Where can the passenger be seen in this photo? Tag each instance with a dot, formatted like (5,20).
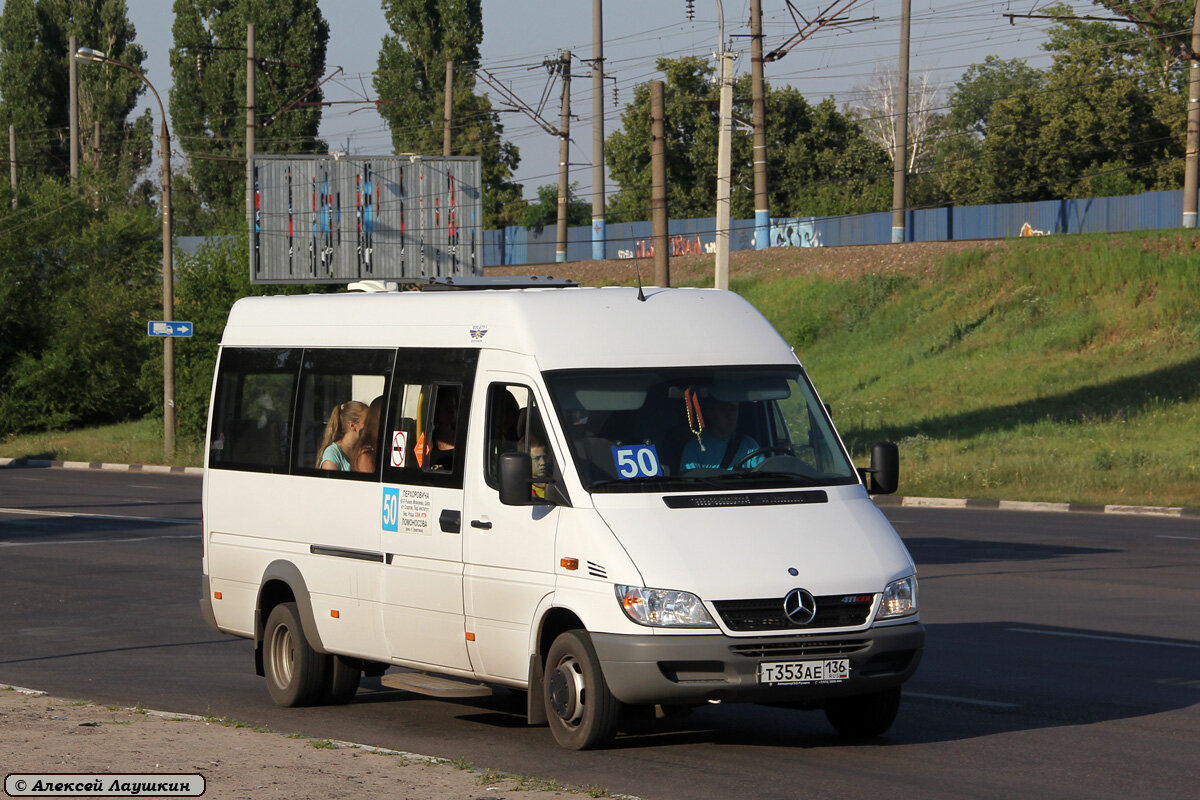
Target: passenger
(341,434)
(542,462)
(715,445)
(445,423)
(364,458)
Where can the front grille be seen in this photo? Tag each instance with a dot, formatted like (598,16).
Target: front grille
(833,611)
(801,648)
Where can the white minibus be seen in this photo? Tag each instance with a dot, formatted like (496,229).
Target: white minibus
(609,498)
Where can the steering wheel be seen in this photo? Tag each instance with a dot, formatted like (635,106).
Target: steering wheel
(762,451)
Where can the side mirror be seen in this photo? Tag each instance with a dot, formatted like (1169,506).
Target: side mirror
(884,476)
(515,469)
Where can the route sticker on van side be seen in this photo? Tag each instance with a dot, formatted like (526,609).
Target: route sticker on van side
(399,448)
(391,509)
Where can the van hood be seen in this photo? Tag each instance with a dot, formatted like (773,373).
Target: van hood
(843,545)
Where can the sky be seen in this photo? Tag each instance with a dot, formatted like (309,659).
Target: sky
(947,37)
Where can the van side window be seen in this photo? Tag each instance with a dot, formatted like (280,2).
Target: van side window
(252,409)
(514,424)
(334,417)
(426,430)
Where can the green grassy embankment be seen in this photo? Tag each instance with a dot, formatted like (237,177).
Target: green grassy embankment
(1058,369)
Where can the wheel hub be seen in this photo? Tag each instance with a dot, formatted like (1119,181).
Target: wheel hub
(563,692)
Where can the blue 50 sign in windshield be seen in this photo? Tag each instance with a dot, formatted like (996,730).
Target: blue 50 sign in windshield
(636,461)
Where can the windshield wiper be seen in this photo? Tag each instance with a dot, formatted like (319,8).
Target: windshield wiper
(775,476)
(668,482)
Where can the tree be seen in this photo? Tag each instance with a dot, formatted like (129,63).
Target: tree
(1101,123)
(29,98)
(877,112)
(411,81)
(545,211)
(958,150)
(819,160)
(690,106)
(208,69)
(65,262)
(34,86)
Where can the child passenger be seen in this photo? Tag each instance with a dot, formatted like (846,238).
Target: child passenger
(341,434)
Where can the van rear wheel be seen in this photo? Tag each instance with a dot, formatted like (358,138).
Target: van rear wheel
(866,715)
(580,709)
(296,673)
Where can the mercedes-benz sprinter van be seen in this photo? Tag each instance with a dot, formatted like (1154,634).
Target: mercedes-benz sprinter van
(605,497)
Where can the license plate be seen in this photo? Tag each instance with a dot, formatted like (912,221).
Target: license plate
(833,670)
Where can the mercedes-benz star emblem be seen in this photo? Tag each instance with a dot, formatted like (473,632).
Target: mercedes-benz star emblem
(799,606)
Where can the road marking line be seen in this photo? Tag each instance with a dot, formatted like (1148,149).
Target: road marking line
(37,512)
(1098,637)
(1183,538)
(968,700)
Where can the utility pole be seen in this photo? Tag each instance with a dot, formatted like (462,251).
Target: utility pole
(251,125)
(762,204)
(564,157)
(599,236)
(721,279)
(901,153)
(12,162)
(448,109)
(1191,174)
(658,187)
(73,104)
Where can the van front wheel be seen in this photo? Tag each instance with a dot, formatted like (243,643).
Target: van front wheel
(296,674)
(582,712)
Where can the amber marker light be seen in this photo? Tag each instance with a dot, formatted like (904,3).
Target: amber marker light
(569,563)
(216,595)
(470,636)
(333,612)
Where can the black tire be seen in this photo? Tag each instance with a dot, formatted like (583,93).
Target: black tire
(344,675)
(582,712)
(296,674)
(866,715)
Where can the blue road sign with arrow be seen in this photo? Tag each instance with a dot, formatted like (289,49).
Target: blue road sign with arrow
(161,328)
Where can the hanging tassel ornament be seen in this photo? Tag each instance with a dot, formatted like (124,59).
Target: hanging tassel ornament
(695,418)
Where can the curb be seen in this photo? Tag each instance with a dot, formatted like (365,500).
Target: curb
(884,501)
(1179,512)
(154,469)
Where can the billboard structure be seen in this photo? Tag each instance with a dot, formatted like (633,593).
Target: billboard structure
(338,219)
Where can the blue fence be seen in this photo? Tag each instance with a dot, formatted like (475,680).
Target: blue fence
(1149,211)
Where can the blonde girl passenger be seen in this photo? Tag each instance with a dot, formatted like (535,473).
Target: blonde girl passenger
(341,435)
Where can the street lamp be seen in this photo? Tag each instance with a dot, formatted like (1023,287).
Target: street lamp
(98,56)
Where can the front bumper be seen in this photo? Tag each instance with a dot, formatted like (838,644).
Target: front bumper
(668,670)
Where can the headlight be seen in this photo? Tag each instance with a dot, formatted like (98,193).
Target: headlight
(663,608)
(899,599)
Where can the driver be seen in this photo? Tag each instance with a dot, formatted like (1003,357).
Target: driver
(716,446)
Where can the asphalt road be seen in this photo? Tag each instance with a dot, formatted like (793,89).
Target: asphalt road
(1063,658)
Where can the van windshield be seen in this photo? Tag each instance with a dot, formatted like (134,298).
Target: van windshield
(697,429)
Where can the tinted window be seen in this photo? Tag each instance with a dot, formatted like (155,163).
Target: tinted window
(340,385)
(426,430)
(252,409)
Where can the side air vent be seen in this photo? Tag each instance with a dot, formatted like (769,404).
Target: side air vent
(744,499)
(596,571)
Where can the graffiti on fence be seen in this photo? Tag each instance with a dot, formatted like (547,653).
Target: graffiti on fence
(794,232)
(680,246)
(1029,230)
